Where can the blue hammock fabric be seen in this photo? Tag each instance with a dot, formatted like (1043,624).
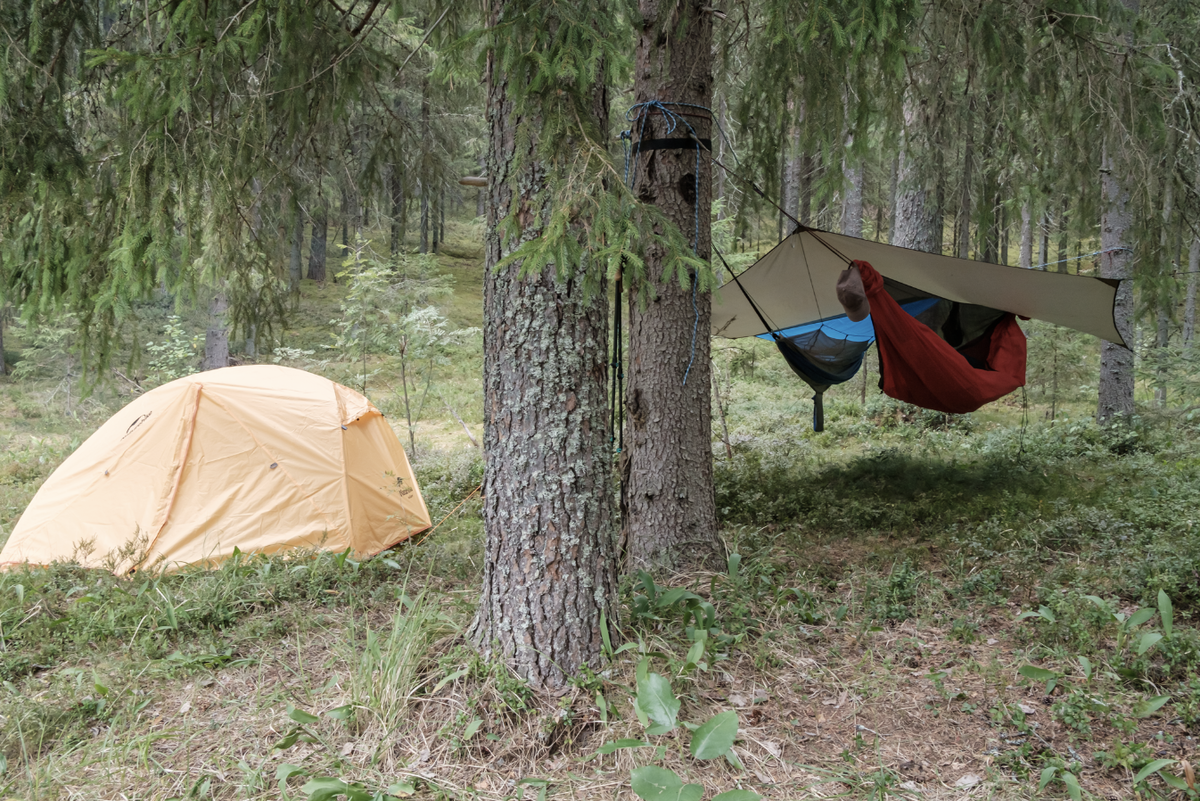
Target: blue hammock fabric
(831,351)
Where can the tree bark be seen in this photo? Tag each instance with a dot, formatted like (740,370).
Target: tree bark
(396,196)
(1116,361)
(1189,305)
(295,273)
(426,166)
(962,234)
(916,216)
(852,186)
(549,570)
(1115,397)
(1063,226)
(216,338)
(1027,235)
(316,251)
(1044,227)
(1165,299)
(668,499)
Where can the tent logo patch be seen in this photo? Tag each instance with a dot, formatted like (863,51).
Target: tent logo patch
(136,424)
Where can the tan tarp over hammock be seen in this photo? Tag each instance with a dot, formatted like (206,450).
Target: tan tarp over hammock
(796,283)
(259,458)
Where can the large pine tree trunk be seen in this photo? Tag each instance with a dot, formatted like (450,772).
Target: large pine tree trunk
(549,569)
(670,510)
(1116,361)
(316,251)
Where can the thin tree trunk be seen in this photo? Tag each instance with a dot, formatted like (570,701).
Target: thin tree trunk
(295,267)
(723,120)
(316,251)
(3,320)
(852,183)
(1027,234)
(1165,301)
(216,338)
(1189,306)
(1044,226)
(549,578)
(893,193)
(962,234)
(426,166)
(916,219)
(670,509)
(807,167)
(1116,361)
(396,192)
(791,186)
(1063,223)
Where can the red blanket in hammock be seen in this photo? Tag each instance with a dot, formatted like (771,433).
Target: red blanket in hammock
(921,368)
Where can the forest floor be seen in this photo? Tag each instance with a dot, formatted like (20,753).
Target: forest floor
(914,606)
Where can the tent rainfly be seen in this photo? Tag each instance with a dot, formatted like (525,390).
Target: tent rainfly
(945,326)
(257,458)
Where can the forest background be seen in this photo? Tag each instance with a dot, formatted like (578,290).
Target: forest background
(284,178)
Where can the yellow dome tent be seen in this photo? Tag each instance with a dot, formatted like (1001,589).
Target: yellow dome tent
(259,458)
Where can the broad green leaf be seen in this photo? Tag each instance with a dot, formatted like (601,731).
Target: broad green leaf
(300,716)
(1166,612)
(472,727)
(602,705)
(1139,617)
(1072,783)
(696,652)
(1098,601)
(345,712)
(1178,782)
(617,745)
(716,736)
(658,702)
(19,589)
(652,783)
(1047,777)
(3,764)
(1153,767)
(734,562)
(737,795)
(402,789)
(1150,705)
(1037,673)
(1148,641)
(324,788)
(1086,664)
(288,740)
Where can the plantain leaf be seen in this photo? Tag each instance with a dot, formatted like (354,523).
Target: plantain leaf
(656,699)
(716,736)
(652,783)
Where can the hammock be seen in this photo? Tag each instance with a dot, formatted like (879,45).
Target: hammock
(923,369)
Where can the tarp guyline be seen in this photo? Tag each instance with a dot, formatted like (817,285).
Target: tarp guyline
(946,327)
